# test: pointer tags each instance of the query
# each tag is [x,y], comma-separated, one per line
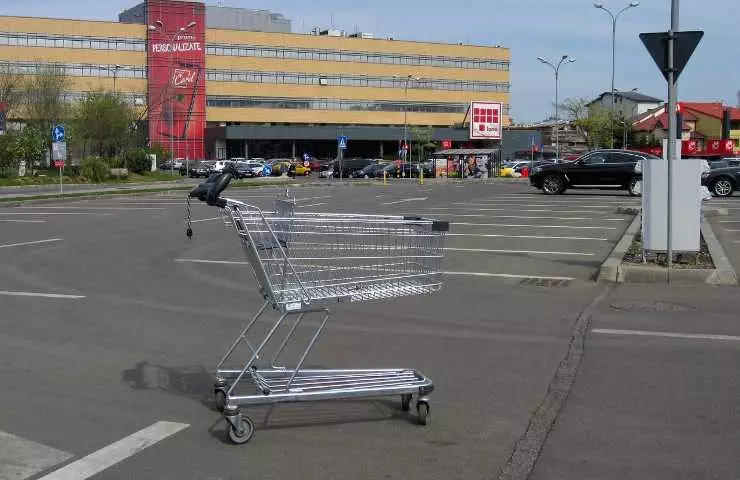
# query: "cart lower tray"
[271,385]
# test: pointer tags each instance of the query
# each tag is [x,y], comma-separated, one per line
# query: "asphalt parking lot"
[112,322]
[727,228]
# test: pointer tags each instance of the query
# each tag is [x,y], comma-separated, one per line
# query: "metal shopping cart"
[304,262]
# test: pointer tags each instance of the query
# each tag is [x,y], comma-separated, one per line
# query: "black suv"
[722,181]
[596,169]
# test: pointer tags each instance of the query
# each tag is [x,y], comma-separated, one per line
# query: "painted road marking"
[41,295]
[507,275]
[643,333]
[205,220]
[528,210]
[116,452]
[405,200]
[312,205]
[23,221]
[541,217]
[21,458]
[528,252]
[212,262]
[46,207]
[531,237]
[55,213]
[575,227]
[37,242]
[525,205]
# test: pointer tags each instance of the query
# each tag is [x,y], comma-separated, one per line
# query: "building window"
[67,41]
[338,104]
[358,57]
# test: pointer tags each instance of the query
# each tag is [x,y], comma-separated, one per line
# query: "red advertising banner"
[176,47]
[720,147]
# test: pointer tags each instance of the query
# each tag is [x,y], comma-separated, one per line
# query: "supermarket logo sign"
[485,120]
[184,78]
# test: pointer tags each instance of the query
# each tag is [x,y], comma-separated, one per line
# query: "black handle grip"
[210,190]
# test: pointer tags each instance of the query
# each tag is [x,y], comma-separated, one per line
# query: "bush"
[138,160]
[95,169]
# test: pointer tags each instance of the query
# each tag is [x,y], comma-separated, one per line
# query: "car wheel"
[553,185]
[635,187]
[723,187]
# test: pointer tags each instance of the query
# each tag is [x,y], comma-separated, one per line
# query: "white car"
[219,165]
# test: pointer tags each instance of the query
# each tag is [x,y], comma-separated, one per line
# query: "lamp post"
[556,69]
[159,26]
[405,118]
[614,18]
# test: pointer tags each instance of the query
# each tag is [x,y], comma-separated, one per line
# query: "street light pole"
[614,18]
[556,69]
[159,25]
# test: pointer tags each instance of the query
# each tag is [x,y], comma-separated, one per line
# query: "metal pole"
[614,55]
[61,183]
[672,128]
[405,128]
[557,114]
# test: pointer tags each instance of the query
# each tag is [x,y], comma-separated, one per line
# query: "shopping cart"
[303,263]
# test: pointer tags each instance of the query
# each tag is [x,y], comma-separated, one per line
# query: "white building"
[628,104]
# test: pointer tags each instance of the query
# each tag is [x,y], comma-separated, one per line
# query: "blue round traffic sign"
[57,133]
[267,170]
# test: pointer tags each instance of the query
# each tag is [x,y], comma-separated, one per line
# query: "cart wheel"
[220,399]
[422,408]
[189,232]
[406,402]
[247,432]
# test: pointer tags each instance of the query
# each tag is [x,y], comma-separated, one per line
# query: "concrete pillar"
[381,149]
[293,157]
[246,149]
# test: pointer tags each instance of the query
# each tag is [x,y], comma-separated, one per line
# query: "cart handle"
[210,190]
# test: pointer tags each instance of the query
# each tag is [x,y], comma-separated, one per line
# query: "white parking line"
[312,205]
[405,200]
[526,205]
[506,275]
[532,237]
[211,262]
[23,221]
[540,217]
[46,207]
[528,252]
[205,219]
[116,452]
[41,295]
[643,333]
[21,458]
[512,208]
[56,213]
[512,225]
[729,221]
[527,210]
[36,242]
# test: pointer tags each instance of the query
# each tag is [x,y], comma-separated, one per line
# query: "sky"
[530,28]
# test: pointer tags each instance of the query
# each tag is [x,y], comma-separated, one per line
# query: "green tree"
[8,155]
[421,138]
[102,121]
[30,145]
[46,104]
[11,89]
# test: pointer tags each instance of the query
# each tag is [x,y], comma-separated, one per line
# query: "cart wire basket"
[303,263]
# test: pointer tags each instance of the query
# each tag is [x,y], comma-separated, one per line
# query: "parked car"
[401,170]
[370,171]
[219,165]
[199,169]
[298,170]
[722,182]
[248,169]
[349,165]
[596,169]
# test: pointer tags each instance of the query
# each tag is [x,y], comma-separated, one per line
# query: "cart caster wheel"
[406,402]
[189,232]
[220,399]
[422,409]
[245,435]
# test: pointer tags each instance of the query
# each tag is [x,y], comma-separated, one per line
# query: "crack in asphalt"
[524,456]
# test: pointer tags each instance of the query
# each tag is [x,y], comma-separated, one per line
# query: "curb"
[610,269]
[613,270]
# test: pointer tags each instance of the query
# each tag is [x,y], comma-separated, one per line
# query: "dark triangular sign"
[684,45]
